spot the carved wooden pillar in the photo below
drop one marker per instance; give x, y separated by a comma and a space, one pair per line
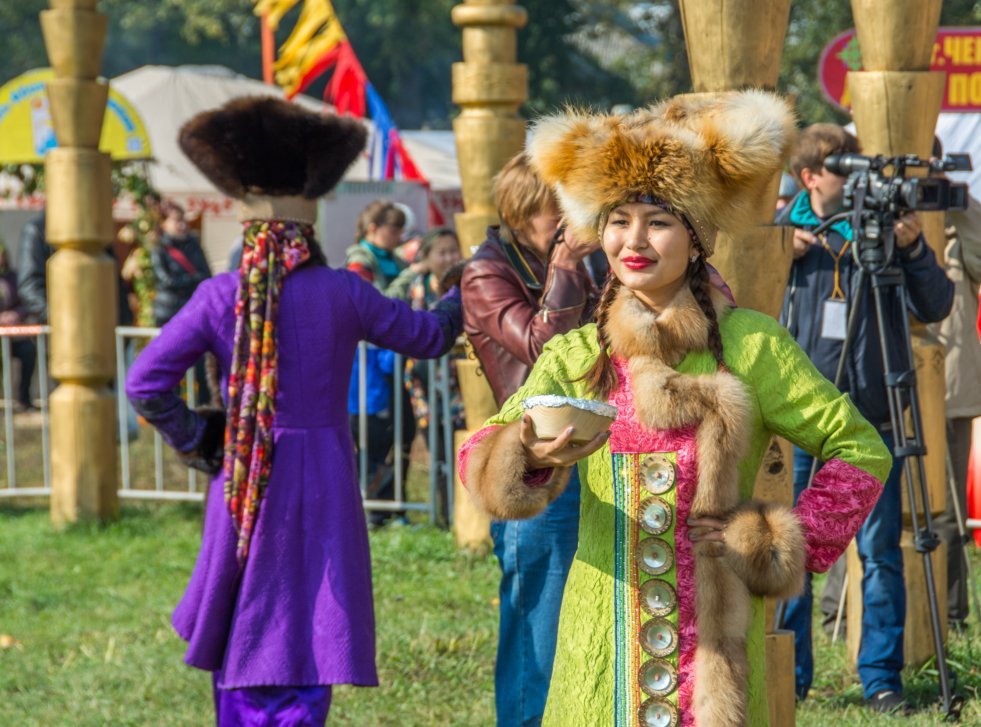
895, 104
489, 86
81, 278
733, 44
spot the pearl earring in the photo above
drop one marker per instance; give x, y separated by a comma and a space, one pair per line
693, 258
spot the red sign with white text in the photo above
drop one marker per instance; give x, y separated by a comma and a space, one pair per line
957, 51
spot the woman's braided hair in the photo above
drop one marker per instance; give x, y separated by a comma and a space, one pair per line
701, 286
602, 376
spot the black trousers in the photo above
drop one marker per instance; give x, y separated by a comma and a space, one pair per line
381, 457
25, 351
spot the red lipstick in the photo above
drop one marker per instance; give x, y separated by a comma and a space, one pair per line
637, 262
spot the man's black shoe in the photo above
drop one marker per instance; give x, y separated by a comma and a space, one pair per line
888, 702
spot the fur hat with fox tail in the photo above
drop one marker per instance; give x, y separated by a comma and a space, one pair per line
710, 157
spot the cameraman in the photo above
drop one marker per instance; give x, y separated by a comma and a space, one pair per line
821, 292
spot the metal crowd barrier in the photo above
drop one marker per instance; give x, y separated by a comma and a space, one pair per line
440, 468
159, 492
441, 427
40, 334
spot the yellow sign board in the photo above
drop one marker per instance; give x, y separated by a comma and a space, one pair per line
26, 133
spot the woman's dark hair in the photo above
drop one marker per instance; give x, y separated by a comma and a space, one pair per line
701, 287
317, 256
170, 207
378, 213
432, 236
602, 377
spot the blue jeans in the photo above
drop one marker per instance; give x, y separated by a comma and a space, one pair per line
880, 654
535, 556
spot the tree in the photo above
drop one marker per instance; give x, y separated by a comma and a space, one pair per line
812, 25
592, 52
407, 48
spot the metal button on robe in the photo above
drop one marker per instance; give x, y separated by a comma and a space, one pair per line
658, 598
658, 713
657, 474
658, 678
655, 556
655, 516
659, 637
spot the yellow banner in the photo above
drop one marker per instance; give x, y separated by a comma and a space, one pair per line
273, 10
26, 132
316, 33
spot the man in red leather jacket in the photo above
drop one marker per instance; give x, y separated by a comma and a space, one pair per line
525, 284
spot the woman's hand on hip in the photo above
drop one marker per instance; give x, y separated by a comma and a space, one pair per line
558, 452
708, 530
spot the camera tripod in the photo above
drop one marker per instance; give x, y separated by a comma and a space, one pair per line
873, 249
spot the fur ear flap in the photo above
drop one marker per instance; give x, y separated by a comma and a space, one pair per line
267, 146
748, 132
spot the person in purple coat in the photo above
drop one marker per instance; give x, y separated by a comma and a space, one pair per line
279, 605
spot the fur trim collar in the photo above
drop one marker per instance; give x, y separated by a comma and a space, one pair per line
634, 329
718, 402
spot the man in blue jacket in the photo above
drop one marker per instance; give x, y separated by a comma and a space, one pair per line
822, 289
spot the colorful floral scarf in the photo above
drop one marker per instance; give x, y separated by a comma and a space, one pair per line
271, 250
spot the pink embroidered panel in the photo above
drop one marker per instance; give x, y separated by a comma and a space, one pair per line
628, 435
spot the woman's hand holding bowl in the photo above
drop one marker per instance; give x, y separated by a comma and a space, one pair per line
558, 452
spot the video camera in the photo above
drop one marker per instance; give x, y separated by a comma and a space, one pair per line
896, 193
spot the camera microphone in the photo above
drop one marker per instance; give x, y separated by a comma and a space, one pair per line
845, 164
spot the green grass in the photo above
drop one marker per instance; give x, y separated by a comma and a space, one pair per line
89, 610
836, 695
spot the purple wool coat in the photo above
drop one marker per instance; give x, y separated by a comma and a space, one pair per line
300, 612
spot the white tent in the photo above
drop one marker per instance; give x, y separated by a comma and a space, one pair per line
166, 97
962, 133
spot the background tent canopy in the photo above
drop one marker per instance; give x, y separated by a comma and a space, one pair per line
26, 132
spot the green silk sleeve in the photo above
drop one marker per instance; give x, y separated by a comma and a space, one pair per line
799, 404
557, 371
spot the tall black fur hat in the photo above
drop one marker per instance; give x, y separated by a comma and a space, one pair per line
262, 145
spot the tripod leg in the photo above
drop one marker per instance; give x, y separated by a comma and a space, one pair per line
900, 378
962, 533
841, 610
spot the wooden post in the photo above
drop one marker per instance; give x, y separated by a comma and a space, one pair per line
81, 278
896, 101
733, 44
489, 86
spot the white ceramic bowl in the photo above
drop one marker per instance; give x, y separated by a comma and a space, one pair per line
552, 414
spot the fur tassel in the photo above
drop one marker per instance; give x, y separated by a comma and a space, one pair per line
495, 476
766, 548
722, 611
